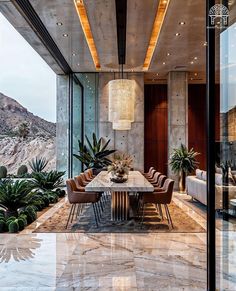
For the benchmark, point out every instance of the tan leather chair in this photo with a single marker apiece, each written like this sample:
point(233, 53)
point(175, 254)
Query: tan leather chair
point(149, 172)
point(160, 182)
point(159, 198)
point(155, 178)
point(77, 195)
point(150, 176)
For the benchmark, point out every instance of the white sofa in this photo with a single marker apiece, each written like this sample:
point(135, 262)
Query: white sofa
point(196, 186)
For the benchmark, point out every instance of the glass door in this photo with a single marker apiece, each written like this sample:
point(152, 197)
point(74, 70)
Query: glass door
point(223, 16)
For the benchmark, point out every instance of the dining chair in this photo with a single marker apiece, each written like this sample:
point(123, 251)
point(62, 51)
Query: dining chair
point(151, 175)
point(149, 172)
point(160, 198)
point(81, 182)
point(78, 196)
point(155, 178)
point(160, 182)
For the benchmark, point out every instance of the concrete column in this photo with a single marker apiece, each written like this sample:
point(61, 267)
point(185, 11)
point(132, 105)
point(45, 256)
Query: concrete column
point(132, 141)
point(177, 113)
point(62, 123)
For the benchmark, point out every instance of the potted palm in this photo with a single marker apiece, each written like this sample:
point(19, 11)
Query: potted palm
point(183, 162)
point(94, 154)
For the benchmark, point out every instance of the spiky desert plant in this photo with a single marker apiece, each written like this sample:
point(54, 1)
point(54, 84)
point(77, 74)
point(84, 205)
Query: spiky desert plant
point(38, 164)
point(183, 160)
point(14, 195)
point(94, 154)
point(48, 181)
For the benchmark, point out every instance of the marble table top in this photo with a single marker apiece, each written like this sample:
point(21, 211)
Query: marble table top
point(136, 183)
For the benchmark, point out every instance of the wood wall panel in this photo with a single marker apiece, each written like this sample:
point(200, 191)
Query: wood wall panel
point(156, 127)
point(197, 120)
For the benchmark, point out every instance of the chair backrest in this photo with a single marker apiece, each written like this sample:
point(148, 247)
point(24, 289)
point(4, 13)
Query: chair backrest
point(168, 187)
point(161, 181)
point(87, 176)
point(90, 173)
point(156, 177)
point(153, 171)
point(149, 171)
point(71, 188)
point(79, 181)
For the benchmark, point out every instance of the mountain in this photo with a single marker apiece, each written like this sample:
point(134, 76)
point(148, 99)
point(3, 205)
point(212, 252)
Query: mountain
point(12, 114)
point(40, 142)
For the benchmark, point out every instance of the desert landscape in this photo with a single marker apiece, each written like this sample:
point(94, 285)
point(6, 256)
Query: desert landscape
point(24, 136)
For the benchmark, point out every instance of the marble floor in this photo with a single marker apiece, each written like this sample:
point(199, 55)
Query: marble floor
point(160, 261)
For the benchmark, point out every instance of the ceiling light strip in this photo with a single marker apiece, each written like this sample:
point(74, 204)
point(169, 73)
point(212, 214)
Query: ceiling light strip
point(159, 19)
point(81, 10)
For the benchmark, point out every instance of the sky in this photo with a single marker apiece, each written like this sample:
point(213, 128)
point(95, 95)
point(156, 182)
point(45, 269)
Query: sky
point(24, 75)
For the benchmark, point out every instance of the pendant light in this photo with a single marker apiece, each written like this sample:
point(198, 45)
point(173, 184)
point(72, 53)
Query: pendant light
point(121, 103)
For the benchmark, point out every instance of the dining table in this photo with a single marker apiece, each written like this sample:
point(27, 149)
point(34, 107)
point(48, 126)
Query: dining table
point(120, 192)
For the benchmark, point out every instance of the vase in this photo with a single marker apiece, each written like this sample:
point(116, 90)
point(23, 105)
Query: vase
point(119, 177)
point(182, 182)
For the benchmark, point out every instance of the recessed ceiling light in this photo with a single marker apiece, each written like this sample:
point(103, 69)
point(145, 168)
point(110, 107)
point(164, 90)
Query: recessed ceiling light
point(73, 54)
point(195, 58)
point(205, 43)
point(181, 23)
point(65, 34)
point(177, 34)
point(191, 79)
point(192, 63)
point(163, 63)
point(59, 23)
point(157, 74)
point(168, 54)
point(78, 64)
point(195, 74)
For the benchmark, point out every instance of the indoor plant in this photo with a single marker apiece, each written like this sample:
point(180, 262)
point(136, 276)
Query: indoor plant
point(94, 154)
point(183, 162)
point(120, 168)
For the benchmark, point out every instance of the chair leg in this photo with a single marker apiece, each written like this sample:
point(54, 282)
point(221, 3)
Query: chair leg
point(73, 212)
point(95, 215)
point(168, 211)
point(167, 216)
point(79, 210)
point(69, 215)
point(160, 211)
point(143, 210)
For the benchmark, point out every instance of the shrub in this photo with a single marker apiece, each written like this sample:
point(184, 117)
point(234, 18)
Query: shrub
point(22, 170)
point(21, 223)
point(3, 225)
point(48, 181)
point(13, 226)
point(38, 164)
point(3, 172)
point(14, 195)
point(23, 130)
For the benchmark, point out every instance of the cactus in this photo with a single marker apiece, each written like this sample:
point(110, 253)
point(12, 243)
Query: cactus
point(3, 225)
point(21, 223)
point(23, 217)
point(22, 170)
point(13, 226)
point(3, 172)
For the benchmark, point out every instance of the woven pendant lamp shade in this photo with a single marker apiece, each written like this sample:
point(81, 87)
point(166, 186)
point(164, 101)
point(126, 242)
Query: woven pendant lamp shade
point(121, 103)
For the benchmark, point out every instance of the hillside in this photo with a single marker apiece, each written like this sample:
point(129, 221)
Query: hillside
point(15, 151)
point(12, 114)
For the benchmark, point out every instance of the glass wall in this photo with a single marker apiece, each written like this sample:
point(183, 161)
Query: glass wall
point(90, 84)
point(225, 178)
point(77, 123)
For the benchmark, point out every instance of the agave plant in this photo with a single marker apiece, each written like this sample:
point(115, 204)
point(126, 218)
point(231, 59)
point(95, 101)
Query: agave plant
point(38, 164)
point(94, 155)
point(14, 195)
point(48, 181)
point(183, 162)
